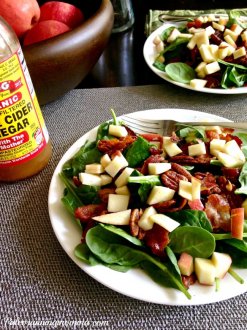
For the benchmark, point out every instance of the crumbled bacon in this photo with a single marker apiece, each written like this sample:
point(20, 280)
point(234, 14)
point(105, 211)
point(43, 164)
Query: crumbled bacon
point(188, 280)
point(208, 183)
point(218, 210)
point(111, 146)
point(87, 212)
point(104, 194)
point(157, 239)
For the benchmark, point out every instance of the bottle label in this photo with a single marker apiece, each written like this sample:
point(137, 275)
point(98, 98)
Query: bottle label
point(23, 134)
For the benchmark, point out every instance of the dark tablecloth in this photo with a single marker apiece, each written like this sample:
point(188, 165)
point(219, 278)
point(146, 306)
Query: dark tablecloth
point(40, 286)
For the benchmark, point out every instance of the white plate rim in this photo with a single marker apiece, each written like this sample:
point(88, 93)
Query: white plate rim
point(135, 283)
point(149, 55)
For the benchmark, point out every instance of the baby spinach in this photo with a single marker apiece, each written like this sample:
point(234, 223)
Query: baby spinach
point(196, 241)
point(192, 218)
point(243, 181)
point(112, 250)
point(190, 133)
point(122, 233)
point(137, 152)
point(180, 72)
point(144, 184)
point(87, 154)
point(236, 249)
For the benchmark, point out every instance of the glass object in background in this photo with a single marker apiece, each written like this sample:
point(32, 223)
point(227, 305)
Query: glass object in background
point(123, 15)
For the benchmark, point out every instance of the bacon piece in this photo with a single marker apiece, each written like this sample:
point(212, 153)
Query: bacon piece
point(87, 212)
point(208, 183)
point(218, 210)
point(228, 188)
point(151, 159)
point(231, 174)
point(157, 239)
point(76, 181)
point(104, 194)
point(111, 146)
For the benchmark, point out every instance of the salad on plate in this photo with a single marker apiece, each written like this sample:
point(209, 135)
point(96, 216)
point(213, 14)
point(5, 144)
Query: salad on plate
point(204, 52)
point(173, 206)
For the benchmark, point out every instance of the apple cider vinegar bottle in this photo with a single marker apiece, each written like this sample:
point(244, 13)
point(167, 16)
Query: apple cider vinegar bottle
point(25, 148)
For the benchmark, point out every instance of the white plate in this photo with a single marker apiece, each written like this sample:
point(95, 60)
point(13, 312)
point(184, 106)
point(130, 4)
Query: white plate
point(150, 54)
point(134, 283)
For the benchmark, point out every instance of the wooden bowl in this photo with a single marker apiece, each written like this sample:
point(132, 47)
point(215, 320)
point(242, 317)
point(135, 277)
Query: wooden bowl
point(59, 64)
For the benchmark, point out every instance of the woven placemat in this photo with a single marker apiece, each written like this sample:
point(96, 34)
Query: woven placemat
point(40, 286)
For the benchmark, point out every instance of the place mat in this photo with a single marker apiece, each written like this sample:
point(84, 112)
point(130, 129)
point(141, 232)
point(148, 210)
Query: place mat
point(153, 21)
point(41, 287)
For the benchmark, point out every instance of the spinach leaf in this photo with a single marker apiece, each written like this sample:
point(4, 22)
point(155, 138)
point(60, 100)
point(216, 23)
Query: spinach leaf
point(122, 233)
point(111, 250)
point(196, 241)
point(180, 72)
point(88, 194)
point(160, 66)
point(237, 251)
point(87, 154)
point(234, 16)
point(145, 184)
point(137, 152)
point(173, 45)
point(190, 133)
point(172, 259)
point(165, 34)
point(192, 218)
point(243, 181)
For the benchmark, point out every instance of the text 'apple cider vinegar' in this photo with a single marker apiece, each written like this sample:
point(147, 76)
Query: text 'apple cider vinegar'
point(25, 148)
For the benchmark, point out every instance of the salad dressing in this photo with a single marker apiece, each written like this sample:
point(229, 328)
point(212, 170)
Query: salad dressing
point(25, 148)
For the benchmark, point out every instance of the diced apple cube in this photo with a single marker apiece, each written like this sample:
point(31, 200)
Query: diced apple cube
point(171, 148)
point(145, 222)
point(164, 221)
point(90, 179)
point(206, 54)
point(160, 194)
point(232, 148)
point(122, 180)
point(228, 161)
point(236, 29)
point(118, 219)
point(200, 66)
point(218, 26)
point(117, 203)
point(198, 83)
point(230, 41)
point(230, 33)
point(244, 35)
point(196, 188)
point(117, 164)
point(105, 179)
point(192, 43)
point(173, 35)
point(117, 130)
point(94, 168)
point(160, 47)
point(158, 168)
point(124, 190)
point(222, 52)
point(202, 39)
point(211, 18)
point(185, 189)
point(239, 52)
point(186, 264)
point(222, 263)
point(212, 67)
point(197, 149)
point(214, 50)
point(216, 145)
point(105, 160)
point(205, 271)
point(210, 30)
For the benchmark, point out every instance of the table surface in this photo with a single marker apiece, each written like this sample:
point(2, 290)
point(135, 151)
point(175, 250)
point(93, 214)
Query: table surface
point(39, 282)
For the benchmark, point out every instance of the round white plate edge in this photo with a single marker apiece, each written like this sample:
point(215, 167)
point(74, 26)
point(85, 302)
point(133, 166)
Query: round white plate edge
point(149, 56)
point(135, 283)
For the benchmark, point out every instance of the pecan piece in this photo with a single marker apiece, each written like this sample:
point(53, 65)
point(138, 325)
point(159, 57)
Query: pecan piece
point(171, 179)
point(135, 230)
point(181, 170)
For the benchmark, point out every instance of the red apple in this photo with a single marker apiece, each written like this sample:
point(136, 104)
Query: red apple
point(22, 15)
point(62, 12)
point(44, 30)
